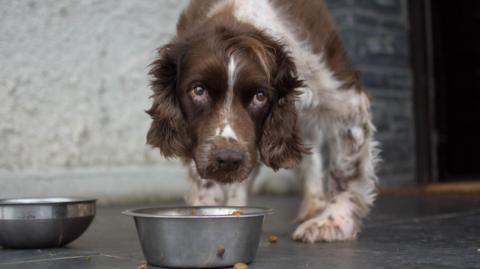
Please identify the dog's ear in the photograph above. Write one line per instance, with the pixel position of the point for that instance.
(168, 130)
(280, 143)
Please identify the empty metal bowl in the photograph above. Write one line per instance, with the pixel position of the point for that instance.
(43, 222)
(199, 237)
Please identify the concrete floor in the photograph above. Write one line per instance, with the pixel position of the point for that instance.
(402, 232)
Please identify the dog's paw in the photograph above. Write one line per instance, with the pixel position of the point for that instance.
(326, 228)
(310, 207)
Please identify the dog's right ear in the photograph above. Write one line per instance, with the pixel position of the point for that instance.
(168, 130)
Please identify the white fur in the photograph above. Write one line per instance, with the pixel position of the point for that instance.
(314, 198)
(335, 223)
(225, 129)
(237, 193)
(201, 193)
(228, 132)
(357, 134)
(232, 73)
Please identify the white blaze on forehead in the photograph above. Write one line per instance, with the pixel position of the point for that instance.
(226, 109)
(226, 129)
(232, 69)
(232, 76)
(228, 132)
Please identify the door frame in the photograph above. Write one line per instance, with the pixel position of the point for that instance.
(422, 61)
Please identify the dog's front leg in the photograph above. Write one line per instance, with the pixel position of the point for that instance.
(209, 192)
(312, 175)
(237, 193)
(351, 174)
(202, 191)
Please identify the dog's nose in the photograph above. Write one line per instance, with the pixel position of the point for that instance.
(229, 159)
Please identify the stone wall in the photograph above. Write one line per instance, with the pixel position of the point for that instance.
(375, 35)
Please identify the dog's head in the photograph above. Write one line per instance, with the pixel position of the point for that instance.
(223, 95)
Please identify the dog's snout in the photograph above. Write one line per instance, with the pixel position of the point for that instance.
(229, 159)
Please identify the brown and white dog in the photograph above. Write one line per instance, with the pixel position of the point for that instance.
(255, 80)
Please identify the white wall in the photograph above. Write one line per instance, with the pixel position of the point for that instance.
(73, 80)
(73, 90)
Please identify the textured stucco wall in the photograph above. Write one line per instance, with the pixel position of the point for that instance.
(73, 80)
(73, 87)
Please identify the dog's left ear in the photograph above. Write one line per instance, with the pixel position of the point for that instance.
(168, 130)
(281, 145)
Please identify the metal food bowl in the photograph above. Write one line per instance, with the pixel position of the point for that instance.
(43, 222)
(199, 237)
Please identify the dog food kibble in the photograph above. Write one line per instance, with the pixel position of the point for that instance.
(143, 266)
(237, 213)
(240, 265)
(220, 250)
(273, 239)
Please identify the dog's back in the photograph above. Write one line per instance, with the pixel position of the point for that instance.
(309, 23)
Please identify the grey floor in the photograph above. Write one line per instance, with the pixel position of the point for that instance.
(402, 232)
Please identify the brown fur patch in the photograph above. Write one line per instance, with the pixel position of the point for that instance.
(280, 144)
(313, 23)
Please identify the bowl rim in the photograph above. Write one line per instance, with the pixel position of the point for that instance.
(50, 200)
(262, 211)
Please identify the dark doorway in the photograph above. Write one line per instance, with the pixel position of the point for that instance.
(456, 48)
(446, 37)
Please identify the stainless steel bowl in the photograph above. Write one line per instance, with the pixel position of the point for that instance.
(198, 237)
(43, 222)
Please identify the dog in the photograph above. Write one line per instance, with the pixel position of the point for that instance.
(255, 81)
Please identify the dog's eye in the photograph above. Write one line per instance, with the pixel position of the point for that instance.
(260, 98)
(198, 92)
